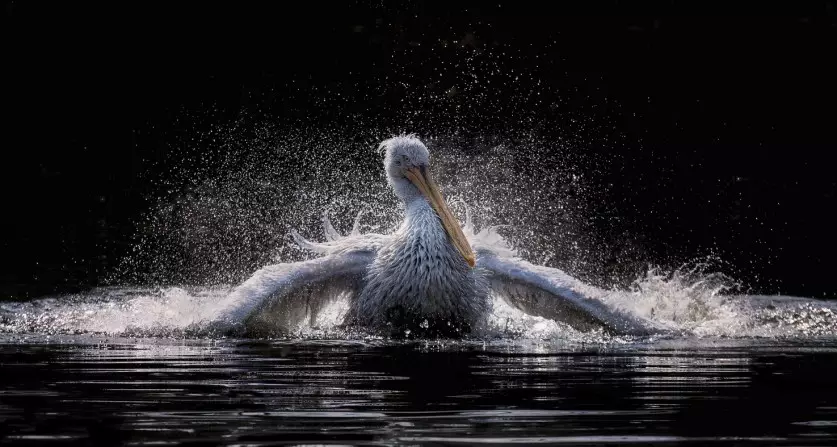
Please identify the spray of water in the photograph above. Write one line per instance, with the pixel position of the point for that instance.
(228, 194)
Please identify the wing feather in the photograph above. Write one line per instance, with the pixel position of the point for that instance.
(551, 293)
(278, 298)
(330, 233)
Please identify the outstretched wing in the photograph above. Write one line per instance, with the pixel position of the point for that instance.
(547, 292)
(280, 298)
(551, 293)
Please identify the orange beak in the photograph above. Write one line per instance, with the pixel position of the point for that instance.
(421, 178)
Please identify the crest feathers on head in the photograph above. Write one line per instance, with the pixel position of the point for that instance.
(385, 144)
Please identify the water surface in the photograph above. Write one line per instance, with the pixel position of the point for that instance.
(82, 389)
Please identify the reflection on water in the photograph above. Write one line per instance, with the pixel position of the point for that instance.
(144, 391)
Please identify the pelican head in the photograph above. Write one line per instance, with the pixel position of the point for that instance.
(407, 164)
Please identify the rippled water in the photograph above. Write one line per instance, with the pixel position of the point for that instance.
(83, 388)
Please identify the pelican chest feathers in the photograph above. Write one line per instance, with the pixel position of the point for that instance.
(423, 276)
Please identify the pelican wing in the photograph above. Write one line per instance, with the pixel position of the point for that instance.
(281, 298)
(551, 293)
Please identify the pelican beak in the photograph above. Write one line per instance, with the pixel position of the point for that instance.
(425, 184)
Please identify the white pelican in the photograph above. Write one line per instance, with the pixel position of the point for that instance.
(424, 277)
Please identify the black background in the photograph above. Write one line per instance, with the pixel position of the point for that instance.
(735, 105)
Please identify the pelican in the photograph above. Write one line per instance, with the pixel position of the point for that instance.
(427, 277)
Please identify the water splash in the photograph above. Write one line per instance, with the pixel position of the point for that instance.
(237, 218)
(689, 302)
(690, 298)
(229, 193)
(696, 301)
(127, 311)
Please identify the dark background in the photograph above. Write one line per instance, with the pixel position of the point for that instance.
(729, 110)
